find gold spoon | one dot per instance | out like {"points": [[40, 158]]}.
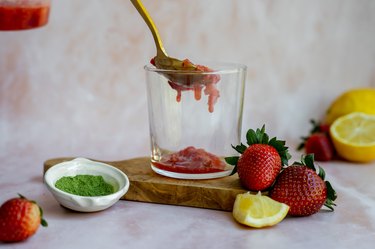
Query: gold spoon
{"points": [[162, 60]]}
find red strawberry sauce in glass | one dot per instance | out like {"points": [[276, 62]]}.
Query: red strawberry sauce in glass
{"points": [[23, 16], [191, 161]]}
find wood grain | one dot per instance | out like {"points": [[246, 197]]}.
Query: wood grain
{"points": [[147, 186]]}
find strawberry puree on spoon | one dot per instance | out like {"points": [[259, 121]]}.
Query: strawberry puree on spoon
{"points": [[194, 81]]}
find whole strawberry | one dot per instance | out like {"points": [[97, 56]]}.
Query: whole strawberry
{"points": [[303, 189], [261, 161], [19, 219], [318, 142], [320, 145]]}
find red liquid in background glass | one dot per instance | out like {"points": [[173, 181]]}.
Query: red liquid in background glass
{"points": [[191, 161], [19, 17]]}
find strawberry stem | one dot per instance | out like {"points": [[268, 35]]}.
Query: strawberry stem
{"points": [[232, 161], [331, 196]]}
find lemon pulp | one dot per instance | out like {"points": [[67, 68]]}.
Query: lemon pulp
{"points": [[258, 210], [353, 136]]}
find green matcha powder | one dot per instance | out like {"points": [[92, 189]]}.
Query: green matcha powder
{"points": [[84, 185]]}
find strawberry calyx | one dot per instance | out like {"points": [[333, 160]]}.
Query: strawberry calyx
{"points": [[259, 136], [308, 161], [43, 222]]}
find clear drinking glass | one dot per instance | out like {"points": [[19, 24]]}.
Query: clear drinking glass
{"points": [[194, 119], [23, 14]]}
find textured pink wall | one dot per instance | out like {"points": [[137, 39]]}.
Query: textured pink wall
{"points": [[76, 87]]}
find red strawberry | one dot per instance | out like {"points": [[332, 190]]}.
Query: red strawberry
{"points": [[318, 142], [324, 128], [19, 219], [320, 145], [261, 162], [302, 189]]}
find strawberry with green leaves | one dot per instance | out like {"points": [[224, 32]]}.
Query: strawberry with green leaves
{"points": [[261, 161], [303, 189], [19, 219], [318, 142]]}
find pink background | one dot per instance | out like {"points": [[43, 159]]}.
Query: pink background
{"points": [[76, 88]]}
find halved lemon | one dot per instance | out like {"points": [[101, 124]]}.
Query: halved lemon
{"points": [[353, 136], [258, 210]]}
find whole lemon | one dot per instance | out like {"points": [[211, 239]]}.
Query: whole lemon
{"points": [[354, 100]]}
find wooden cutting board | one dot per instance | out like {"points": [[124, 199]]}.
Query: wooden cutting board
{"points": [[147, 186]]}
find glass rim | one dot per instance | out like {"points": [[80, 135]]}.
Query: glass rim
{"points": [[224, 68]]}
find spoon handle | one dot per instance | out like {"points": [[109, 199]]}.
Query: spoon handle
{"points": [[155, 34]]}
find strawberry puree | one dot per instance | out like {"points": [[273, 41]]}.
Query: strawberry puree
{"points": [[197, 83], [192, 161], [18, 17]]}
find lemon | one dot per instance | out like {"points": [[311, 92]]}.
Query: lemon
{"points": [[354, 100], [353, 136], [258, 210]]}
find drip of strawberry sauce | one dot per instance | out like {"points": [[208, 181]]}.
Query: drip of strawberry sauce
{"points": [[197, 83]]}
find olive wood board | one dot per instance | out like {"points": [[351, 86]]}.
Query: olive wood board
{"points": [[148, 186]]}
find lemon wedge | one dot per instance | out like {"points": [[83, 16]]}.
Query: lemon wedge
{"points": [[353, 136], [258, 210]]}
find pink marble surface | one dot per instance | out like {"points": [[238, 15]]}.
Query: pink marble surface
{"points": [[139, 225], [76, 88]]}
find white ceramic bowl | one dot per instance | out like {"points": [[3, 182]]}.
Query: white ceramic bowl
{"points": [[80, 166]]}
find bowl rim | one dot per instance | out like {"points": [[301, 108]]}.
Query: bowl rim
{"points": [[121, 190]]}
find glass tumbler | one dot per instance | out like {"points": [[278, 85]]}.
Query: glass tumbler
{"points": [[195, 117]]}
